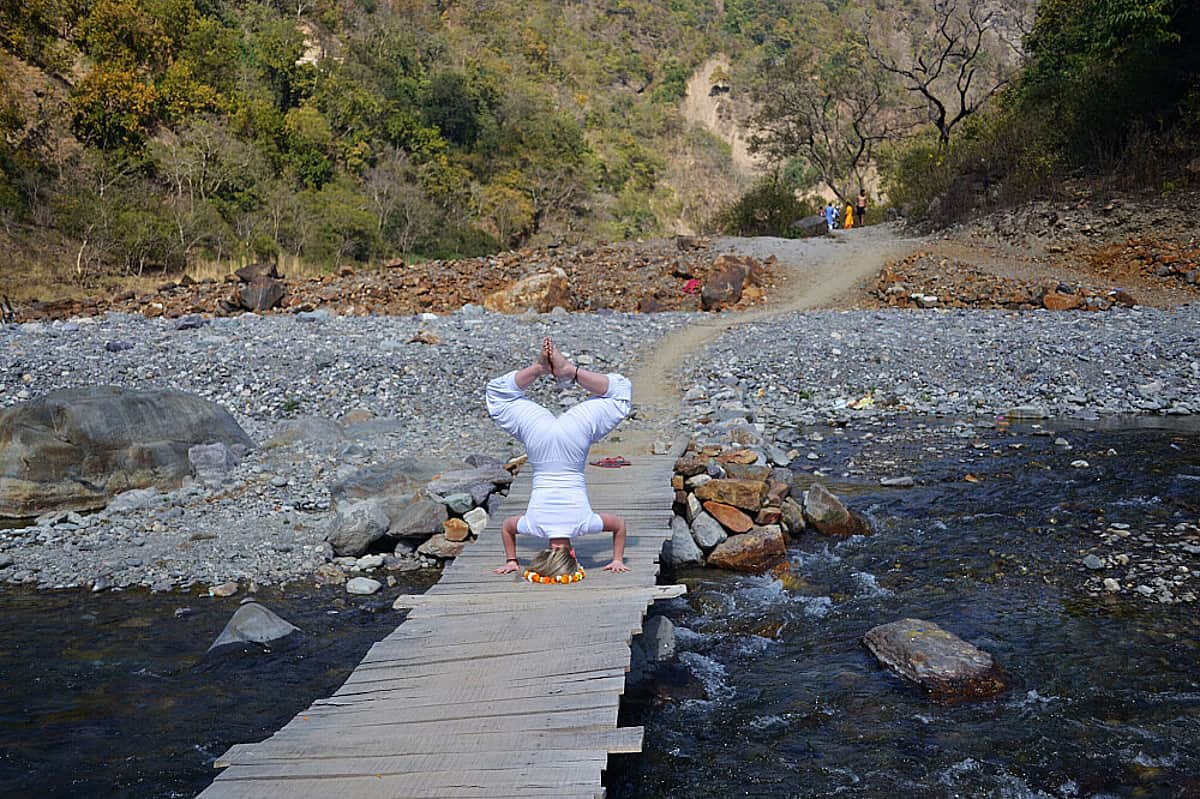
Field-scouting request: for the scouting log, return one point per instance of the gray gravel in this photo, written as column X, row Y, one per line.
column 322, row 396
column 813, row 367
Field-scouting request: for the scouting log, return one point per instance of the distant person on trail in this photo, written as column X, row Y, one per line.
column 558, row 448
column 849, row 216
column 831, row 216
column 860, row 208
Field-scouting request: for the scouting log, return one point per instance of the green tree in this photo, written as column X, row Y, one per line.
column 453, row 108
column 123, row 33
column 113, row 109
column 829, row 108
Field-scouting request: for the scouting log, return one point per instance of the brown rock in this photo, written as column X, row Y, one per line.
column 730, row 517
column 542, row 292
column 777, row 491
column 793, row 517
column 744, row 494
column 756, row 551
column 1123, row 298
column 740, row 456
column 223, row 590
column 691, row 465
column 261, row 294
column 455, row 530
column 329, row 574
column 677, row 482
column 425, row 337
column 829, row 516
column 946, row 666
column 724, row 286
column 740, row 471
column 769, row 515
column 439, row 547
column 1057, row 301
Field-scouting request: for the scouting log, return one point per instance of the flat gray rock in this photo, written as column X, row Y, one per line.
column 707, row 531
column 253, row 623
column 362, row 586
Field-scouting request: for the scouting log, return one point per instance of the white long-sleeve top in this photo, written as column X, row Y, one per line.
column 558, row 448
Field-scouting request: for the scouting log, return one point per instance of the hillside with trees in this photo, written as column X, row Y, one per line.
column 142, row 136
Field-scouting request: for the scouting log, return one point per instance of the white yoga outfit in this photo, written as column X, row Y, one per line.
column 558, row 448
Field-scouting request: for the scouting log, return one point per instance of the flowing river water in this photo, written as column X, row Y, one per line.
column 114, row 695
column 775, row 696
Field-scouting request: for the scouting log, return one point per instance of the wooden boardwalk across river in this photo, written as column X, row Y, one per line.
column 492, row 686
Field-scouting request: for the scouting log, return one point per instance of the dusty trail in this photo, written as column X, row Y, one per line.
column 819, row 271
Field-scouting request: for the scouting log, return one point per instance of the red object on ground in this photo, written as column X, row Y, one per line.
column 611, row 463
column 692, row 286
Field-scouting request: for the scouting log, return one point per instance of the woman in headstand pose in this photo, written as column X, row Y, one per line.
column 557, row 448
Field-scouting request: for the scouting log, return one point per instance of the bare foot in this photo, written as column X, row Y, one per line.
column 543, row 358
column 507, row 568
column 559, row 366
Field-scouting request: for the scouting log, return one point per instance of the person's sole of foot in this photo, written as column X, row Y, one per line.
column 559, row 365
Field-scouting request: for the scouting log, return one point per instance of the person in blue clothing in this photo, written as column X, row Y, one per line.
column 831, row 216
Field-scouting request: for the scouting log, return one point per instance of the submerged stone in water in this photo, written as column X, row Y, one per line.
column 255, row 624
column 946, row 666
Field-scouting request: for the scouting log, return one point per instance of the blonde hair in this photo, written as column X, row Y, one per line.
column 554, row 561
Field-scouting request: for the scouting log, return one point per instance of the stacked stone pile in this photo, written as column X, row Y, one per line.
column 410, row 512
column 736, row 511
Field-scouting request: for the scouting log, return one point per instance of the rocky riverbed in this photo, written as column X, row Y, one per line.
column 322, row 396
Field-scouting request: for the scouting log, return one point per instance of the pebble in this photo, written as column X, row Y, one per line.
column 363, row 586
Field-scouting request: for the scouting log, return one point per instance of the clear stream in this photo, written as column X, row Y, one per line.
column 112, row 694
column 780, row 699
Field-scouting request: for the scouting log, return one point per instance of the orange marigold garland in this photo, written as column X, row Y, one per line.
column 561, row 579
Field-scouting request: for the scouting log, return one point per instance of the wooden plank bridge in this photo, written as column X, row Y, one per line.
column 492, row 686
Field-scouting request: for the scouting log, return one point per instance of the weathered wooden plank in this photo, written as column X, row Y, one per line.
column 615, row 741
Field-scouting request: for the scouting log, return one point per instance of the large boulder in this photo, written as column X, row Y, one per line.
column 946, row 666
column 479, row 482
column 76, row 448
column 356, row 527
column 729, row 276
column 744, row 494
column 756, row 551
column 422, row 518
column 260, row 294
column 253, row 623
column 542, row 292
column 829, row 516
column 395, row 483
